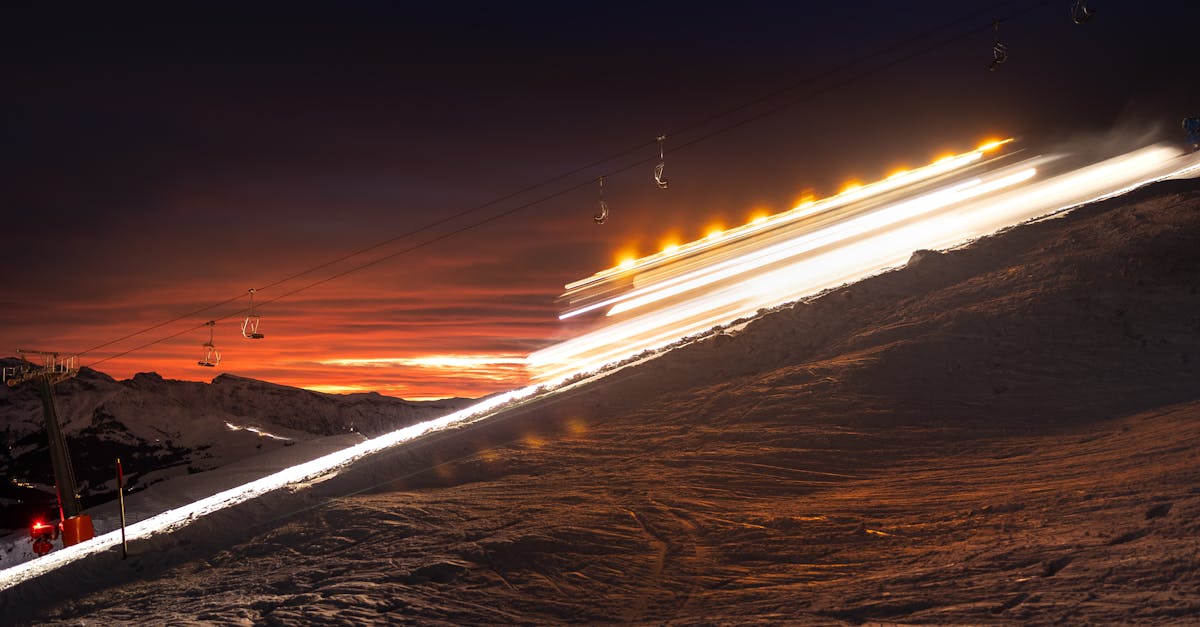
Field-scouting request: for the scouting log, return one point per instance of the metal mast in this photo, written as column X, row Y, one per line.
column 54, row 368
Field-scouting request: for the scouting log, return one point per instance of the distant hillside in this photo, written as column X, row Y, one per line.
column 163, row 428
column 1003, row 433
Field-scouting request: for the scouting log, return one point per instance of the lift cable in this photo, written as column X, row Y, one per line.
column 1027, row 8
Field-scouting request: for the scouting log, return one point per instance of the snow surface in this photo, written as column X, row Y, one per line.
column 1003, row 433
column 231, row 431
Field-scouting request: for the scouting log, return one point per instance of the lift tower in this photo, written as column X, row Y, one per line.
column 76, row 526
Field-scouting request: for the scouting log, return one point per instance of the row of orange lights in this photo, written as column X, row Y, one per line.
column 627, row 260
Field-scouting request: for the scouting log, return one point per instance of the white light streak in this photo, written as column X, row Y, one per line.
column 662, row 304
column 803, row 210
column 841, row 232
column 851, row 250
column 265, row 434
column 173, row 519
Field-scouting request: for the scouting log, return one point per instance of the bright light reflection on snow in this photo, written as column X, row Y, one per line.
column 233, row 427
column 299, row 474
column 919, row 225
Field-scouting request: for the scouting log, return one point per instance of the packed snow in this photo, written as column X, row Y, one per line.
column 1005, row 432
column 178, row 441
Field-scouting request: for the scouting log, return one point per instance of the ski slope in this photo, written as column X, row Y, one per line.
column 845, row 250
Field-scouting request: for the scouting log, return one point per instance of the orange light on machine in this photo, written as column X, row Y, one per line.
column 807, row 198
column 758, row 216
column 851, row 191
column 850, row 186
column 993, row 144
column 626, row 257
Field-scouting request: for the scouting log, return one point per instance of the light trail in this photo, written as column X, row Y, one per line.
column 851, row 253
column 718, row 280
column 300, row 474
column 260, row 432
column 859, row 193
column 805, row 243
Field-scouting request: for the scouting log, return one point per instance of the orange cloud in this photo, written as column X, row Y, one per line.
column 418, row 327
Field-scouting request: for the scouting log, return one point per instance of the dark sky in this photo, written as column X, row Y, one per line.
column 164, row 157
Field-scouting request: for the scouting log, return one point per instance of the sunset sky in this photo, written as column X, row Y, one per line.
column 162, row 158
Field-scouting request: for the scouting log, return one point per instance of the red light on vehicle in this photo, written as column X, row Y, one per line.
column 40, row 529
column 42, row 536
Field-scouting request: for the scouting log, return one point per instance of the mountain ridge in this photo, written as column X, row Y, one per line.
column 1003, row 432
column 162, row 428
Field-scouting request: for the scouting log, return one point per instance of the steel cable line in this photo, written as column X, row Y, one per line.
column 1027, row 8
column 625, row 168
column 352, row 270
column 159, row 326
column 632, row 149
column 842, row 83
column 684, row 129
column 845, row 66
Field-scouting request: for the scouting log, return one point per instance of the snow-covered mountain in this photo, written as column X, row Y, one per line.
column 1004, row 433
column 163, row 428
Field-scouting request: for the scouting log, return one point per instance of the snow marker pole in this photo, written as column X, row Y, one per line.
column 121, row 498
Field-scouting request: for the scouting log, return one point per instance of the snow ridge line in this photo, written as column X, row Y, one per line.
column 298, row 475
column 316, row 469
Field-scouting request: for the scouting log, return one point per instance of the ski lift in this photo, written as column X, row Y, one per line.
column 601, row 217
column 250, row 324
column 999, row 50
column 1080, row 12
column 211, row 356
column 658, row 169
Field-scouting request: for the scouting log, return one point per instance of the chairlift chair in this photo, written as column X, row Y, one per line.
column 250, row 324
column 250, row 328
column 999, row 50
column 662, row 163
column 601, row 217
column 212, row 357
column 1080, row 12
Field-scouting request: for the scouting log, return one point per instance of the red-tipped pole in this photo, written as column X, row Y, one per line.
column 121, row 498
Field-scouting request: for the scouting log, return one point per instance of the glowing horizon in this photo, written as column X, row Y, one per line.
column 357, row 334
column 448, row 330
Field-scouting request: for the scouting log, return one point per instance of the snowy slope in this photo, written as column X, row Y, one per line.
column 1006, row 432
column 162, row 429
